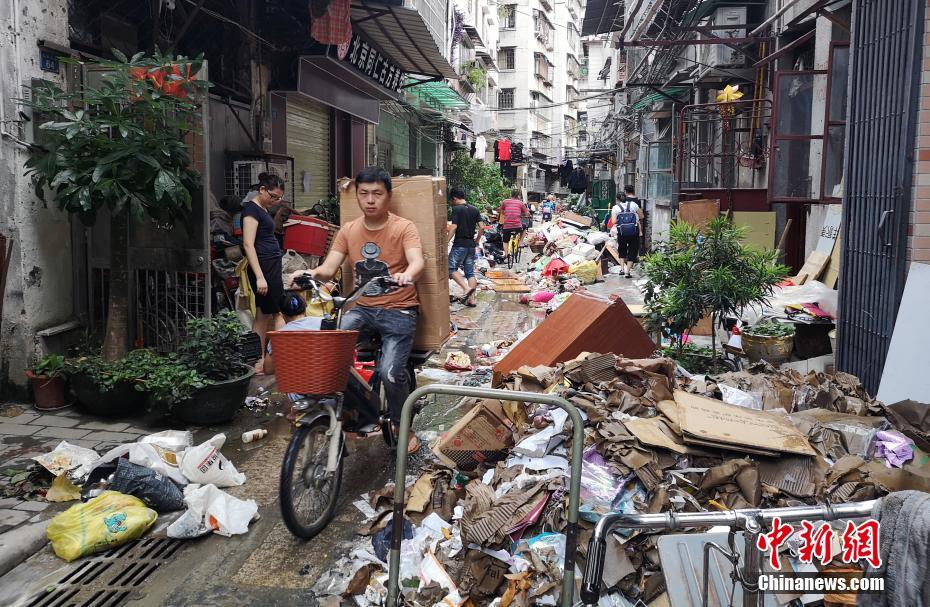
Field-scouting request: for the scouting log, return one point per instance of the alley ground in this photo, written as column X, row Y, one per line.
column 266, row 566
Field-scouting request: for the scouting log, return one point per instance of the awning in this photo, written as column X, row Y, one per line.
column 437, row 95
column 602, row 16
column 337, row 84
column 648, row 100
column 402, row 34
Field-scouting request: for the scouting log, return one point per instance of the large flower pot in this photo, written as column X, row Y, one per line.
column 122, row 399
column 49, row 393
column 217, row 402
column 774, row 350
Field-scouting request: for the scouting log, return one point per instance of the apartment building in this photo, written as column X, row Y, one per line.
column 539, row 63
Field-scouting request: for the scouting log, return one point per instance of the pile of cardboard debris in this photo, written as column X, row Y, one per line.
column 485, row 526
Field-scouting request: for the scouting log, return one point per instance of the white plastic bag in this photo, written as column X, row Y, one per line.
column 597, row 238
column 159, row 459
column 76, row 462
column 204, row 464
column 172, row 440
column 212, row 509
column 735, row 396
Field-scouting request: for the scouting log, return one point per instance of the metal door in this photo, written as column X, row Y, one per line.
column 169, row 265
column 884, row 87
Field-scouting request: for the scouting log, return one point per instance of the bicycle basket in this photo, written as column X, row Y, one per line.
column 312, row 362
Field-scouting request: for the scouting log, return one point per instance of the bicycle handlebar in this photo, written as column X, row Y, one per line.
column 307, row 282
column 672, row 521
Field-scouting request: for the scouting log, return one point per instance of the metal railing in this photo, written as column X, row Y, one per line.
column 749, row 520
column 574, row 494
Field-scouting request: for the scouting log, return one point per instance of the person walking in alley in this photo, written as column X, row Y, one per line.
column 627, row 217
column 466, row 221
column 379, row 242
column 264, row 256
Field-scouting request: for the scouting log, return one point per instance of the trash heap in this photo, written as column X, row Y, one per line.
column 568, row 252
column 125, row 490
column 486, row 524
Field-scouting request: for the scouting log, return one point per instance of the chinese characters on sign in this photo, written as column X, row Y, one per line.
column 859, row 542
column 371, row 62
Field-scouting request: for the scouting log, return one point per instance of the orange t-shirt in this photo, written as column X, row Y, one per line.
column 390, row 244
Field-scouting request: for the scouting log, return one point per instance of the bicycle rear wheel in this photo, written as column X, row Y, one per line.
column 308, row 493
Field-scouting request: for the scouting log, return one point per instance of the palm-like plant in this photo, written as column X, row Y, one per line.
column 697, row 273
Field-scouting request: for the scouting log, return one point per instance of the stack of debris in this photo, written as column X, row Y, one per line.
column 487, row 523
column 162, row 473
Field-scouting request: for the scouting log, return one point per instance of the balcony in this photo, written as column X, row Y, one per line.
column 544, row 71
column 542, row 29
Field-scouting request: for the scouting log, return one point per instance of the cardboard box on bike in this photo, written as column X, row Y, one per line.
column 423, row 201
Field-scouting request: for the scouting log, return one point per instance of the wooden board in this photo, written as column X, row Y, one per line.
column 813, row 268
column 517, row 287
column 698, row 212
column 760, row 228
column 832, row 275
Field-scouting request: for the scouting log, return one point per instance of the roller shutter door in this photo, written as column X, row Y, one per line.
column 308, row 141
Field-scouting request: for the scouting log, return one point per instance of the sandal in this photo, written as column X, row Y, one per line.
column 413, row 445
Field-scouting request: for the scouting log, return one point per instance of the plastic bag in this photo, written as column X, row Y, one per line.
column 212, row 509
column 150, row 455
column 171, row 440
column 155, row 490
column 599, row 487
column 586, row 271
column 205, row 465
column 597, row 238
column 555, row 267
column 107, row 521
column 76, row 462
column 735, row 396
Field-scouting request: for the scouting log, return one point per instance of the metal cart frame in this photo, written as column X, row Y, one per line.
column 571, row 536
column 749, row 520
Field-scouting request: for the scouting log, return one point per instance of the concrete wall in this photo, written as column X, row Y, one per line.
column 39, row 285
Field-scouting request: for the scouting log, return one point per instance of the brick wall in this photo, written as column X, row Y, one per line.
column 918, row 232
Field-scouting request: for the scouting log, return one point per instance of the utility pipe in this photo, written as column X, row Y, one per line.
column 775, row 16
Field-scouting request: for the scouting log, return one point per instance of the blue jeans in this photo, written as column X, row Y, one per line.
column 396, row 328
column 462, row 257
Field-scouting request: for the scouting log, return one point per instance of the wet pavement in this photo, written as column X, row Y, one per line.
column 268, row 566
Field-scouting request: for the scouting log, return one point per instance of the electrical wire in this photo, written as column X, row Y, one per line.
column 238, row 25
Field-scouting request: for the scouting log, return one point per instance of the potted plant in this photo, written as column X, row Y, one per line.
column 706, row 272
column 109, row 388
column 47, row 380
column 770, row 341
column 212, row 350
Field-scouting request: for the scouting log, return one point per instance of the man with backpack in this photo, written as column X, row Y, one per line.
column 627, row 217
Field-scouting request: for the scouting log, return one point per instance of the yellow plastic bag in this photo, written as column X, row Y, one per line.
column 107, row 521
column 586, row 271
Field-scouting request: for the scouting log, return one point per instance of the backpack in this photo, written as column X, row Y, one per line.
column 627, row 221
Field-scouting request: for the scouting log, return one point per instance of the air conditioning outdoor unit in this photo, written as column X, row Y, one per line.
column 720, row 55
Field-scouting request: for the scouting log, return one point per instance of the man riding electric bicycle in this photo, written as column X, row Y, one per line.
column 380, row 243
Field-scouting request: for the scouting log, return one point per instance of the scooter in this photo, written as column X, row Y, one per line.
column 493, row 246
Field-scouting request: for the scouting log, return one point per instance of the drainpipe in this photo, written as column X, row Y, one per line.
column 777, row 14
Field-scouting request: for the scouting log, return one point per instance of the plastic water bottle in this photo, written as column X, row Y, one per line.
column 253, row 435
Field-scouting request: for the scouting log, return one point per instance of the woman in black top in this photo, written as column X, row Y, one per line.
column 264, row 256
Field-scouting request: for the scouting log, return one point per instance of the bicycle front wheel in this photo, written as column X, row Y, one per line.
column 308, row 493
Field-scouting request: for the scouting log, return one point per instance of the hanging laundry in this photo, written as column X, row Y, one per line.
column 481, row 147
column 334, row 26
column 517, row 155
column 578, row 182
column 503, row 150
column 565, row 172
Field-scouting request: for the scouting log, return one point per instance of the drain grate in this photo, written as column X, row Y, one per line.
column 108, row 579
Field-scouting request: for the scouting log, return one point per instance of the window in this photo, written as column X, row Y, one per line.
column 659, row 177
column 509, row 16
column 508, row 58
column 834, row 152
column 505, row 99
column 798, row 136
